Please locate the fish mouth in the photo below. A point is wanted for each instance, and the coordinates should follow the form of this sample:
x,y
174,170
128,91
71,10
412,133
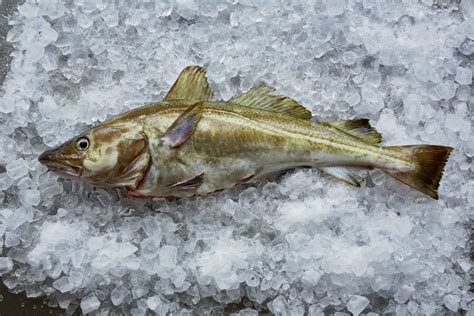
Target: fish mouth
x,y
63,168
66,171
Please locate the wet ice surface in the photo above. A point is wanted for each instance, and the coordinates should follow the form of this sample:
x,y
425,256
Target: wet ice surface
x,y
305,243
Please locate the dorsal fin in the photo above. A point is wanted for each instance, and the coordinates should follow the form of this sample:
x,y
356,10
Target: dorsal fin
x,y
260,97
191,85
360,129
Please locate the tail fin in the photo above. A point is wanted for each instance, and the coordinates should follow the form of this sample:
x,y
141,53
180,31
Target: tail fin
x,y
429,165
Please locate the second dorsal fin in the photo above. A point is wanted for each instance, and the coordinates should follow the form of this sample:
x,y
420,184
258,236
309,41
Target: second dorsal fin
x,y
191,85
360,129
260,97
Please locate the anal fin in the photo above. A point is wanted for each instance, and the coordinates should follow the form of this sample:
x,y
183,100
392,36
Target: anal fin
x,y
351,175
189,184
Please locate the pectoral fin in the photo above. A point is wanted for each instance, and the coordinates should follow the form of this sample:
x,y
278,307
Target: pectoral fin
x,y
351,175
191,85
184,126
189,184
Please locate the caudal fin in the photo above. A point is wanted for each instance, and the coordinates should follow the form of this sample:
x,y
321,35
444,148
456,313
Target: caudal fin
x,y
429,165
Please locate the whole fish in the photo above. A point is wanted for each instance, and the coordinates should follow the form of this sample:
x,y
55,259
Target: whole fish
x,y
188,145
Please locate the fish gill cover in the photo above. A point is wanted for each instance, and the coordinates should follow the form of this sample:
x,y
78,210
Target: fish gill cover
x,y
305,243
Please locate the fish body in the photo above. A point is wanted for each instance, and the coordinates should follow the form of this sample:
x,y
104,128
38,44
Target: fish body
x,y
189,145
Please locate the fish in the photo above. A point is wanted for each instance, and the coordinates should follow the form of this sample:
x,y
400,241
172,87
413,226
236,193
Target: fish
x,y
188,145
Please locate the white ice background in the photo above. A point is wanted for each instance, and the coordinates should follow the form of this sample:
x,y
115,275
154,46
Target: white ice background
x,y
306,243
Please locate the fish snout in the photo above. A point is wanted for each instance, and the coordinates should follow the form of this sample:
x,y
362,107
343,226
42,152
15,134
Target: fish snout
x,y
56,161
46,157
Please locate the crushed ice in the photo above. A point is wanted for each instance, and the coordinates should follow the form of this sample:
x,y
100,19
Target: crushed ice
x,y
304,244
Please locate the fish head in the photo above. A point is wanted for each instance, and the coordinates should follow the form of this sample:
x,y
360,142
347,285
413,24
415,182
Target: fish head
x,y
110,156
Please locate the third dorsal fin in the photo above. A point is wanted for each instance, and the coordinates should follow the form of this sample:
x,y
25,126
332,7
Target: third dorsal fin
x,y
260,97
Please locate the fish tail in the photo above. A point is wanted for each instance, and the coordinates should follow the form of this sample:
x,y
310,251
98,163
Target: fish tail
x,y
429,161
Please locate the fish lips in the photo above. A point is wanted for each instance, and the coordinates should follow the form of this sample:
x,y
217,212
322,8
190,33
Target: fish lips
x,y
61,165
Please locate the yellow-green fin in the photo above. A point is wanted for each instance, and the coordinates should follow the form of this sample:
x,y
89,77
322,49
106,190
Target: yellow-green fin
x,y
360,129
191,85
260,97
429,161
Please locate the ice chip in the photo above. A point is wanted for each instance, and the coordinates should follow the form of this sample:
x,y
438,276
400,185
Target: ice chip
x,y
178,277
84,21
30,197
349,57
17,169
152,227
452,302
168,257
153,302
279,306
463,76
150,247
373,99
404,293
63,285
357,304
90,303
335,7
11,239
186,8
247,312
28,10
118,295
6,265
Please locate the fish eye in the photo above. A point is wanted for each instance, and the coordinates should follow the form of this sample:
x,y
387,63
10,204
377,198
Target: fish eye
x,y
82,143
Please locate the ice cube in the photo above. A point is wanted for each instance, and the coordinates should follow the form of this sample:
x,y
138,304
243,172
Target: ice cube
x,y
349,57
63,285
84,21
186,8
413,108
463,76
90,303
357,304
279,306
168,257
11,239
150,247
247,312
446,90
452,302
152,227
17,169
178,277
6,265
153,302
373,98
28,10
118,294
404,293
30,197
335,7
